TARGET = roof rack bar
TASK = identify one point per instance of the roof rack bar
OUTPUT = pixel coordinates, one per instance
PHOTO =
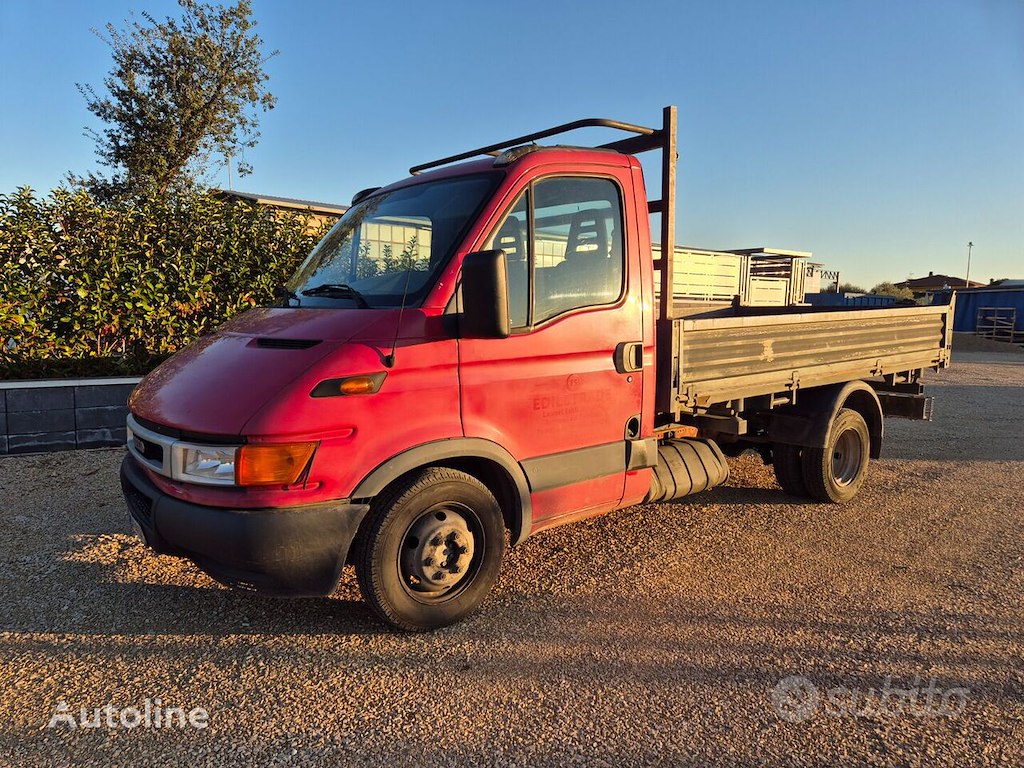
(646, 134)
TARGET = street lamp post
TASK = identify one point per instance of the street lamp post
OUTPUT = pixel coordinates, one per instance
(967, 280)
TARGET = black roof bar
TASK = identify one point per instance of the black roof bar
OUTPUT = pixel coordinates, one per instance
(647, 138)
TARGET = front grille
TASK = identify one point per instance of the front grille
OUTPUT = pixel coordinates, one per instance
(181, 434)
(149, 450)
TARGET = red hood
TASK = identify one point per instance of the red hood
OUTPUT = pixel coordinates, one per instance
(217, 383)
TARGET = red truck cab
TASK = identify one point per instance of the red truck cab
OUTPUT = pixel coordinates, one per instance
(468, 352)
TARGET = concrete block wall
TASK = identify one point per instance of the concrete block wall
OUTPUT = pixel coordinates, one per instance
(38, 416)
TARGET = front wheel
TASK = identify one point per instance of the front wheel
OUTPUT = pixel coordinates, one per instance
(431, 549)
(836, 471)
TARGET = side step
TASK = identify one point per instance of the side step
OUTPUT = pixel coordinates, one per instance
(686, 466)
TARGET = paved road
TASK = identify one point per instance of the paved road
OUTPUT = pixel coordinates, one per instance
(741, 627)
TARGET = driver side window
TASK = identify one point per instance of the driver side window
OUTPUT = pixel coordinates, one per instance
(563, 247)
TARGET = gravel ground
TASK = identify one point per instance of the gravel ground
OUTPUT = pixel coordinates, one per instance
(653, 635)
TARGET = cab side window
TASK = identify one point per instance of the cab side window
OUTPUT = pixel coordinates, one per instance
(578, 245)
(563, 247)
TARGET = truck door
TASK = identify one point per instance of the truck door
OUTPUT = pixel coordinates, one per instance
(563, 393)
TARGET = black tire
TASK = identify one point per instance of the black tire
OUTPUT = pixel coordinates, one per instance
(787, 461)
(836, 472)
(437, 516)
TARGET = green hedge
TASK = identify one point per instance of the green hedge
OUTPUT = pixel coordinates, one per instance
(90, 289)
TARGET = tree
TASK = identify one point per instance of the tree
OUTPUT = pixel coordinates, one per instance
(888, 289)
(181, 92)
(849, 288)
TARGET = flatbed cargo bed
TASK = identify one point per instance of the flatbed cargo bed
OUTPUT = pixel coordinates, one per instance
(719, 359)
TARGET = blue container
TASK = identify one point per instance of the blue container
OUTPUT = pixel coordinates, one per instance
(969, 301)
(849, 300)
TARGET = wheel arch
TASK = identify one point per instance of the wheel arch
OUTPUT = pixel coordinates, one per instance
(864, 401)
(487, 461)
(808, 422)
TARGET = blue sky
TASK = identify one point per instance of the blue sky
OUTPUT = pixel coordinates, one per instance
(882, 136)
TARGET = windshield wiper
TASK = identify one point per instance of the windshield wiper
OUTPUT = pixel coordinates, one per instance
(338, 291)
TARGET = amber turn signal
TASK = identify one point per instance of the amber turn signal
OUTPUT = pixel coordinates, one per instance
(365, 384)
(358, 385)
(272, 464)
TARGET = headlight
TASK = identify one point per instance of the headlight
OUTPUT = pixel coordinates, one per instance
(259, 464)
(207, 464)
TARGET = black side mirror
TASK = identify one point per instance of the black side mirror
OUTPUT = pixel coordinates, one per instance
(484, 296)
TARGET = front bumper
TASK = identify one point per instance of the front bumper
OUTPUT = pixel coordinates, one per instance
(289, 551)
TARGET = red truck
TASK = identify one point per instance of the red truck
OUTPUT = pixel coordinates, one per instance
(483, 350)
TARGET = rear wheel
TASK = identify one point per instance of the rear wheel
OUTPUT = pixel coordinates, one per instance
(431, 549)
(788, 464)
(836, 471)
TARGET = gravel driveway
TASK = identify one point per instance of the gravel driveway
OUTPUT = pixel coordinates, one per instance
(740, 627)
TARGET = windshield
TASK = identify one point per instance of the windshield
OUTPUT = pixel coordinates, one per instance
(390, 245)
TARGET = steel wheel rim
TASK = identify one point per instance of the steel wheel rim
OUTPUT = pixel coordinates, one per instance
(847, 457)
(456, 558)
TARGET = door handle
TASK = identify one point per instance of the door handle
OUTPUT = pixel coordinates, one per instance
(629, 356)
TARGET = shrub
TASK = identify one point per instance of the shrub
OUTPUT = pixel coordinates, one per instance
(850, 288)
(888, 289)
(89, 289)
